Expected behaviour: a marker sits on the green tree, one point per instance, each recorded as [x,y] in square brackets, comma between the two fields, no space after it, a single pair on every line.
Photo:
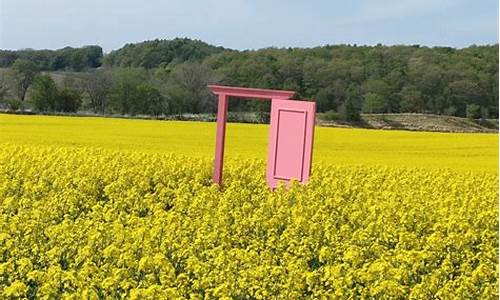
[373,103]
[187,89]
[98,85]
[51,60]
[68,100]
[290,73]
[23,73]
[350,110]
[325,99]
[153,102]
[463,92]
[78,60]
[151,54]
[4,89]
[407,78]
[124,92]
[411,100]
[473,111]
[377,96]
[44,93]
[93,55]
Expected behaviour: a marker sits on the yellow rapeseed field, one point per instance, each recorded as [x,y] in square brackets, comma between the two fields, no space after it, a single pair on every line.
[332,145]
[94,208]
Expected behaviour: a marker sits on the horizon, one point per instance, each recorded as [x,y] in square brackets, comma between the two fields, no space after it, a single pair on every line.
[244,25]
[257,49]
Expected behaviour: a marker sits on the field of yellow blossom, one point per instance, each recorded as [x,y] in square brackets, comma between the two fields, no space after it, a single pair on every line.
[94,208]
[470,152]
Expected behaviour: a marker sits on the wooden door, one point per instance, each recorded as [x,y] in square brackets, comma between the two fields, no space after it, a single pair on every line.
[290,141]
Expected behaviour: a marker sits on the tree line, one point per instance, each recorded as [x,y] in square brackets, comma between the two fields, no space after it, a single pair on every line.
[164,77]
[124,91]
[75,59]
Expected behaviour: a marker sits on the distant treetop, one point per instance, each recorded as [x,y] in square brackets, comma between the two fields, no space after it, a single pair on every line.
[343,79]
[156,53]
[67,58]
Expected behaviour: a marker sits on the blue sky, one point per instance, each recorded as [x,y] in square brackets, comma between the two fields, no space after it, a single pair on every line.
[247,24]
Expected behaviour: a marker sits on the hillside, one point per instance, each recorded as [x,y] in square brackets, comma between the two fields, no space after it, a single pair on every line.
[51,60]
[416,122]
[157,53]
[169,77]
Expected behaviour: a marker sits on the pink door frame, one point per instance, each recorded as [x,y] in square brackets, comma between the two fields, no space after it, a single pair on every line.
[224,92]
[290,141]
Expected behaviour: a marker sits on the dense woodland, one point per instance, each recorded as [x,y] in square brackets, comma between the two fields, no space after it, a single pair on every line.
[76,59]
[167,77]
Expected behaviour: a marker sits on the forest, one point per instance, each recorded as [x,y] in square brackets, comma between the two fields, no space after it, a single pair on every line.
[169,77]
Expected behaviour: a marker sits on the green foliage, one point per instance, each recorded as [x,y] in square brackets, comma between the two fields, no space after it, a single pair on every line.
[187,89]
[97,85]
[46,97]
[160,53]
[154,103]
[124,90]
[380,70]
[350,110]
[14,104]
[331,115]
[438,80]
[132,94]
[4,88]
[68,100]
[44,93]
[23,73]
[450,111]
[407,78]
[411,100]
[473,111]
[52,60]
[326,99]
[373,103]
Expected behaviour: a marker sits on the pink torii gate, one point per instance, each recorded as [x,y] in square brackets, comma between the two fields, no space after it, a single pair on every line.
[291,133]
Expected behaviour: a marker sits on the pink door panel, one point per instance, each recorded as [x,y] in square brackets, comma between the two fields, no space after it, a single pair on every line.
[290,141]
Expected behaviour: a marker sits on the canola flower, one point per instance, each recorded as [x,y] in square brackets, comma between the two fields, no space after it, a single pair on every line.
[94,223]
[339,146]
